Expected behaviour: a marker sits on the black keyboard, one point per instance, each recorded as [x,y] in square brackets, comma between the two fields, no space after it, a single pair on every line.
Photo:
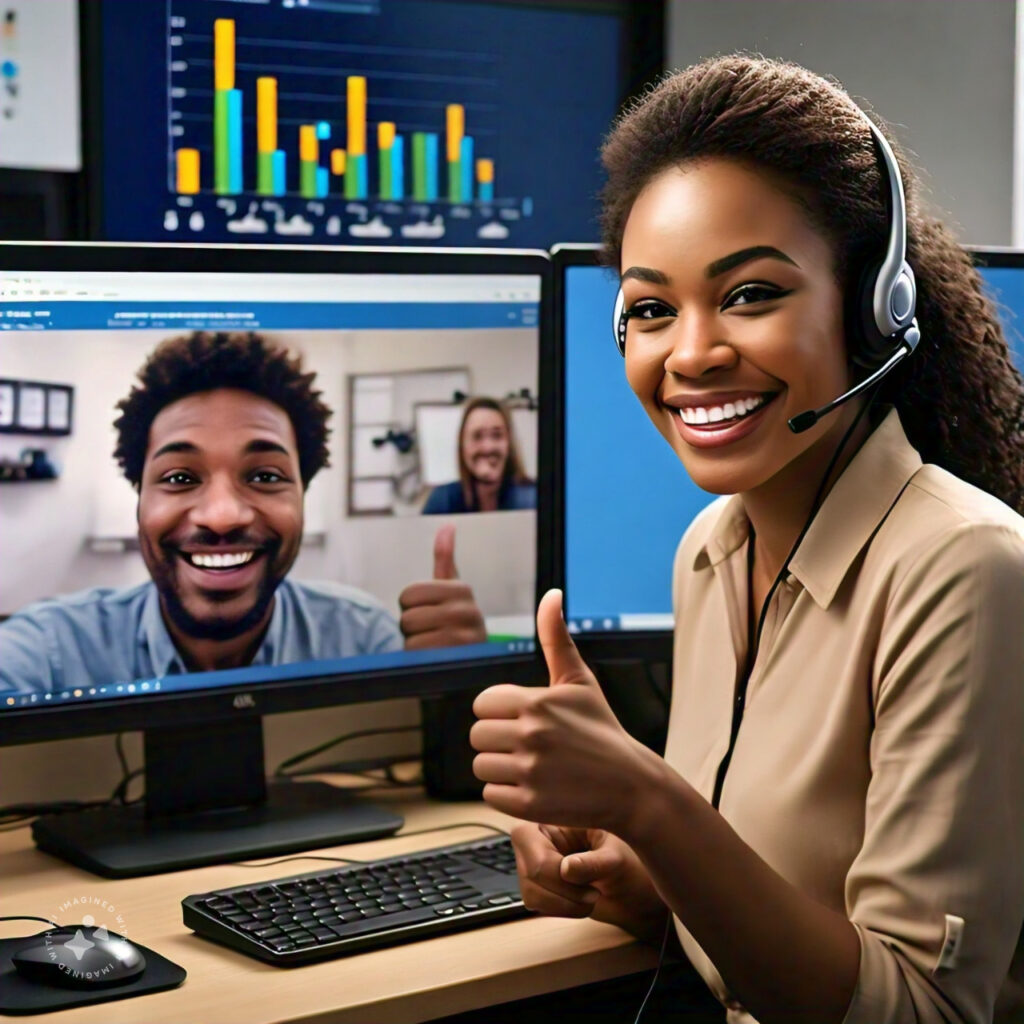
[326,914]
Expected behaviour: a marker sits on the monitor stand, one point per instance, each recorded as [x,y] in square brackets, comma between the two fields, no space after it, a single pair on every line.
[208,802]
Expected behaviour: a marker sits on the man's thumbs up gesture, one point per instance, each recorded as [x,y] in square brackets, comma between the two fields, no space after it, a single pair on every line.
[441,612]
[558,754]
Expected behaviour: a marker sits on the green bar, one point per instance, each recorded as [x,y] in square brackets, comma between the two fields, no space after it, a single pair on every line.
[307,178]
[384,163]
[351,178]
[265,174]
[419,167]
[455,181]
[221,161]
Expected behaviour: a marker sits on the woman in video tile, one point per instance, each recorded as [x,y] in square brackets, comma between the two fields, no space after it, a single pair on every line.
[491,474]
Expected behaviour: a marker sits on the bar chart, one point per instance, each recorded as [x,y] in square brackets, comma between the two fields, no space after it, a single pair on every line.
[282,134]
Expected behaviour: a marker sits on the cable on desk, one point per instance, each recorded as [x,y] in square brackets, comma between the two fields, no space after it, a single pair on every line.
[281,771]
[15,816]
[23,917]
[352,860]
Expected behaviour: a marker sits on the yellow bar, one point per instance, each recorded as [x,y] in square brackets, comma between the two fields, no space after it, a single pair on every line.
[266,115]
[485,171]
[309,145]
[386,134]
[224,54]
[356,143]
[337,161]
[188,171]
[456,117]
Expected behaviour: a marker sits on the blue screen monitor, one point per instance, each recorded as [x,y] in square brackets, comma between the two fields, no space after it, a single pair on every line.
[205,576]
[627,500]
[358,122]
[1002,270]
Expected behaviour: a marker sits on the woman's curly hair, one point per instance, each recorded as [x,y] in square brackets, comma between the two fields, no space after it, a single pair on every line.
[959,396]
[206,361]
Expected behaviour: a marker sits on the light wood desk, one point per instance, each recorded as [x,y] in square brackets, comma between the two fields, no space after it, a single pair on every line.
[400,985]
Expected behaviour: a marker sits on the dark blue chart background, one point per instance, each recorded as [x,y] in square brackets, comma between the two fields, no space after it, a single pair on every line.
[548,90]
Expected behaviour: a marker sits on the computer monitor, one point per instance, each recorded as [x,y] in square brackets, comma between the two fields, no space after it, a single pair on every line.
[251,566]
[1003,273]
[363,122]
[627,498]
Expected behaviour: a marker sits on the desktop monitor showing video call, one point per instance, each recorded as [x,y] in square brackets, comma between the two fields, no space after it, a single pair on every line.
[230,560]
[628,500]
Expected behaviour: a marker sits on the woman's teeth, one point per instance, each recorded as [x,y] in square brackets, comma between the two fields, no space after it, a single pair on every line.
[227,561]
[700,415]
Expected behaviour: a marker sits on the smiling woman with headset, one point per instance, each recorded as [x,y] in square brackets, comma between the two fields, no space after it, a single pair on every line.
[837,826]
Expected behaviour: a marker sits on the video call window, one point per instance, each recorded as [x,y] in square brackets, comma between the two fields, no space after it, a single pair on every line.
[303,458]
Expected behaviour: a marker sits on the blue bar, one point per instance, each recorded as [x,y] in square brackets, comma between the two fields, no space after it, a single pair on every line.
[398,168]
[466,167]
[297,670]
[323,130]
[432,175]
[363,175]
[280,315]
[234,140]
[278,169]
[486,191]
[321,181]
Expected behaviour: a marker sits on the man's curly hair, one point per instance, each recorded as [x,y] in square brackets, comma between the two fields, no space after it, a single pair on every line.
[960,399]
[207,361]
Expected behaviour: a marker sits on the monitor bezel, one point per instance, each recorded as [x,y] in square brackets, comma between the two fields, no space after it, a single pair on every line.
[598,645]
[40,724]
[996,256]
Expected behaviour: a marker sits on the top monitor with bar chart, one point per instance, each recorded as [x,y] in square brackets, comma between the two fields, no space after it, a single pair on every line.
[392,122]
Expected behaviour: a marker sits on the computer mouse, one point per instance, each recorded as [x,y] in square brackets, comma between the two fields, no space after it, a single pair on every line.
[78,956]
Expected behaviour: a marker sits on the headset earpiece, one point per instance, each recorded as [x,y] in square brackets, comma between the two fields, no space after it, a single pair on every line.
[619,321]
[888,291]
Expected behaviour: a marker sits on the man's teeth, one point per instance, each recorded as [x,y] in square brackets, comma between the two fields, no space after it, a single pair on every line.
[227,561]
[700,415]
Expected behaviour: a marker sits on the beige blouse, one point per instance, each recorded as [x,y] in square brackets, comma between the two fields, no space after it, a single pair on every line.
[879,762]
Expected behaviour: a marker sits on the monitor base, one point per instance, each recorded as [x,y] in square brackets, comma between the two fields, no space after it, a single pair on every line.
[122,842]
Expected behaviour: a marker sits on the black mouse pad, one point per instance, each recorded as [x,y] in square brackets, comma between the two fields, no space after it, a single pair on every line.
[19,996]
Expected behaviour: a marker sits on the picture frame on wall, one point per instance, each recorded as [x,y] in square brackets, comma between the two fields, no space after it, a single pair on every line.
[36,407]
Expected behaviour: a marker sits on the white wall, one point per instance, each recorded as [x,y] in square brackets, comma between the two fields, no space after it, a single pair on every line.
[941,71]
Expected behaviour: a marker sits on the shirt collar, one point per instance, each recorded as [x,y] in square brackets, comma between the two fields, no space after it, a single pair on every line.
[851,513]
[153,637]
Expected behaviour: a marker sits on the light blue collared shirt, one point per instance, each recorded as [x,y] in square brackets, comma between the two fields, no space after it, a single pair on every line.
[117,635]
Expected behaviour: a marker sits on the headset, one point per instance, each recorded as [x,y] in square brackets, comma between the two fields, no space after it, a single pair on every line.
[886,304]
